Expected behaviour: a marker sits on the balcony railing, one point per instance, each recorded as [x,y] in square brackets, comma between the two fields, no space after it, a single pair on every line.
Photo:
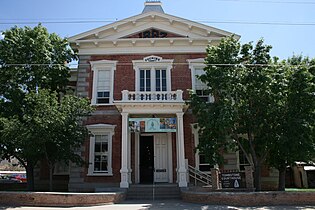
[139,96]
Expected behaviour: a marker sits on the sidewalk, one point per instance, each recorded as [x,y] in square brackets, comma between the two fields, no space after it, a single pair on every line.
[154,205]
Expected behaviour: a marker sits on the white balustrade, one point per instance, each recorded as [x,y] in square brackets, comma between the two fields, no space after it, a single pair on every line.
[142,96]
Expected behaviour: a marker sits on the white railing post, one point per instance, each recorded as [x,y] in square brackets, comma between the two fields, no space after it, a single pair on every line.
[125,95]
[179,95]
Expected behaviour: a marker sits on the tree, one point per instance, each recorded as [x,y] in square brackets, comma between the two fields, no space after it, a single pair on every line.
[296,140]
[49,130]
[245,102]
[58,126]
[17,141]
[30,58]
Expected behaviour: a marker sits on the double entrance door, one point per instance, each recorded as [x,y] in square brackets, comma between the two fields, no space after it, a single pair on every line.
[153,162]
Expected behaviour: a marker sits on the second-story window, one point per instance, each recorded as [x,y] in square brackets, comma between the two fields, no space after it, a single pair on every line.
[153,74]
[103,82]
[201,89]
[153,79]
[145,80]
[160,80]
[103,87]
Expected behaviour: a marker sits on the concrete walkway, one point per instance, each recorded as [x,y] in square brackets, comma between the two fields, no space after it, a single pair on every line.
[153,205]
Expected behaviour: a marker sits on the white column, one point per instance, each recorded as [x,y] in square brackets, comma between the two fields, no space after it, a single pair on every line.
[129,157]
[137,153]
[182,171]
[124,152]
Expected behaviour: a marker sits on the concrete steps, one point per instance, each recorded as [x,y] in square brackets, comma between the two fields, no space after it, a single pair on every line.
[153,192]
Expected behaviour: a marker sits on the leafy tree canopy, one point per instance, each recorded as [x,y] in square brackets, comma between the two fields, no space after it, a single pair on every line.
[49,129]
[31,58]
[250,91]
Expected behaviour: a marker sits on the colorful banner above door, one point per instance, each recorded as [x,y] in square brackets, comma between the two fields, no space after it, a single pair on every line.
[152,125]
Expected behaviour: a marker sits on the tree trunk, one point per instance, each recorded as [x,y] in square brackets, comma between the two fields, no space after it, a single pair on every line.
[257,177]
[30,176]
[281,185]
[50,177]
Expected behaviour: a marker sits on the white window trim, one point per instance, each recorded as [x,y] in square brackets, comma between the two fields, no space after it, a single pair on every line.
[96,67]
[193,65]
[160,63]
[195,132]
[100,129]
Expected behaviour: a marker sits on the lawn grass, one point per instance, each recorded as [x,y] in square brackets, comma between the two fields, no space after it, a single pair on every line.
[299,190]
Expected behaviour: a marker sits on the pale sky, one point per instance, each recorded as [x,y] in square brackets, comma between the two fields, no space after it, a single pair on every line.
[287,25]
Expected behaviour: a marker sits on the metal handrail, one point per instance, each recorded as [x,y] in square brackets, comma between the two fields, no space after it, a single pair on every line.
[200,176]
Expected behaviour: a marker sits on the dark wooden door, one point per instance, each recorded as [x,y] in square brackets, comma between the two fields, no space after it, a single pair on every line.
[146,159]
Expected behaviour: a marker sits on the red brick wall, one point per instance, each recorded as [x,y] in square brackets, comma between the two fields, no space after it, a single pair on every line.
[124,78]
[116,147]
[125,74]
[189,140]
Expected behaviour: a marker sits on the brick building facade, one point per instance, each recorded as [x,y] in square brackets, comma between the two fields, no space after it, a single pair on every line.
[137,72]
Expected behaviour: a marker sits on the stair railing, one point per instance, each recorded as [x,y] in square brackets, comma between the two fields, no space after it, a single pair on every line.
[199,176]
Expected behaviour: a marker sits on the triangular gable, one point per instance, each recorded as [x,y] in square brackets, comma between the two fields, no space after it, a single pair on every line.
[153,33]
[131,27]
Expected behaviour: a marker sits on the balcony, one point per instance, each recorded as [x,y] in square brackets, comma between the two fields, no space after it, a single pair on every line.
[152,97]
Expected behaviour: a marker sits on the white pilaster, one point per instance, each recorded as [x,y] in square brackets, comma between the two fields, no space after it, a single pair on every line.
[182,171]
[124,182]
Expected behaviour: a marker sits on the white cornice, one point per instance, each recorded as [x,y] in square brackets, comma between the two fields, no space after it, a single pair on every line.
[142,46]
[143,50]
[137,40]
[157,108]
[103,63]
[95,127]
[198,62]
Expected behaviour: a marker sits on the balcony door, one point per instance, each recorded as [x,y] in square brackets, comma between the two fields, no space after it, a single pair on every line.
[153,80]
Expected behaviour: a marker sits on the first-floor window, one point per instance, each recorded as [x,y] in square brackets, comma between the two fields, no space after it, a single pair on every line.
[201,161]
[242,160]
[100,158]
[62,168]
[203,164]
[101,153]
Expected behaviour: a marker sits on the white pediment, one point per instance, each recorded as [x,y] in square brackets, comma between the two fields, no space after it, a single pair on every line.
[149,20]
[151,29]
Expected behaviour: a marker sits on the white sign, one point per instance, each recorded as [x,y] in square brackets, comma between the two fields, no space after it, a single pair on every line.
[152,59]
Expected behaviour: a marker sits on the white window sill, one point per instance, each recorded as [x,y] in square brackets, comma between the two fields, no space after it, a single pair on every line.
[100,174]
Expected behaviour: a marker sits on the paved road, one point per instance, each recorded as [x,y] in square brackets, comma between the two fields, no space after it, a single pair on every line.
[153,205]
